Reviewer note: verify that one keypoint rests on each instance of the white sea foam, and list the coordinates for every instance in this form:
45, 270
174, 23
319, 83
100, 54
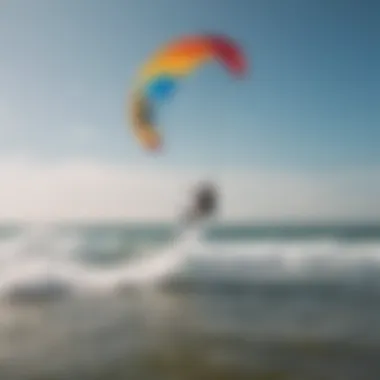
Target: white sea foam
42, 262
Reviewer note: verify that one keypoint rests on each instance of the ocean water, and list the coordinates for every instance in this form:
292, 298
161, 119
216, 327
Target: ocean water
230, 302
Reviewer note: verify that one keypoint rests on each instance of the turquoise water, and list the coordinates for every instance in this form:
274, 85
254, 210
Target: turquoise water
232, 302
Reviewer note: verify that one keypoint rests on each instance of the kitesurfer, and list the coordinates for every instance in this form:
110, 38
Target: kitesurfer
204, 203
206, 200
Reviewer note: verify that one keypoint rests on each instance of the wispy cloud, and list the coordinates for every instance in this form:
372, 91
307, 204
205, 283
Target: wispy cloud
92, 190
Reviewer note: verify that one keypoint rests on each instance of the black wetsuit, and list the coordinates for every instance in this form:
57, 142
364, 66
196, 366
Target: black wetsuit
206, 201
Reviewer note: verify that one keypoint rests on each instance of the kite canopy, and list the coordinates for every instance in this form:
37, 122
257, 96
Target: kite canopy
158, 78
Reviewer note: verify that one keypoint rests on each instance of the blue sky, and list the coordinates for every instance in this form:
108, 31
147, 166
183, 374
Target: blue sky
310, 101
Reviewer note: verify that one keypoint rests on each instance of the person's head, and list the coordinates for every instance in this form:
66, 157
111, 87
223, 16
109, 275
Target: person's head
207, 186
